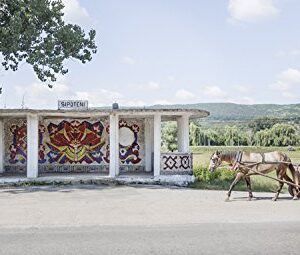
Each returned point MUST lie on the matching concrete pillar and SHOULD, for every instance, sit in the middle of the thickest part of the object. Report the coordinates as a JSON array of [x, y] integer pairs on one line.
[[183, 133], [2, 151], [32, 145], [157, 144], [113, 145], [148, 144]]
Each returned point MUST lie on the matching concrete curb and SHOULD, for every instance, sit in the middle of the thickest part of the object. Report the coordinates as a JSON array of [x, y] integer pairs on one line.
[[174, 180]]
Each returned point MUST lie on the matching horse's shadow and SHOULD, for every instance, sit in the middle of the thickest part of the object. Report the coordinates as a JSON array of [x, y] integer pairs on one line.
[[243, 198]]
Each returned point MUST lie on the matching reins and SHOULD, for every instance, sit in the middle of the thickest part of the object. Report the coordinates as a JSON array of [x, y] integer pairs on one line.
[[265, 175]]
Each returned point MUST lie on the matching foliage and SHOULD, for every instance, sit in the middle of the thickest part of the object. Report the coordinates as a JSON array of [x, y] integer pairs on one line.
[[222, 178], [169, 136], [203, 174], [262, 123], [279, 134], [33, 31]]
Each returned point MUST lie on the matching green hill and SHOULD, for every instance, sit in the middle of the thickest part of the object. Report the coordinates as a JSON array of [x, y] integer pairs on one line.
[[239, 112]]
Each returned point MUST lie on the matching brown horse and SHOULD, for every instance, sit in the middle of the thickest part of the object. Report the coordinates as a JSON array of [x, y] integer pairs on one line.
[[245, 163]]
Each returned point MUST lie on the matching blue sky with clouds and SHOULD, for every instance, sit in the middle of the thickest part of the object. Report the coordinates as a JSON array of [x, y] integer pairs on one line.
[[149, 52]]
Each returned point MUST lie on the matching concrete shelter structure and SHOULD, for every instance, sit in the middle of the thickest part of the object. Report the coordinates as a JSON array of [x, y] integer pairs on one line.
[[108, 142]]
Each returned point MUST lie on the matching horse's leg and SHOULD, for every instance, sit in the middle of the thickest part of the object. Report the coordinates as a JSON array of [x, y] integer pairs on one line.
[[280, 173], [238, 177], [287, 178], [248, 182], [295, 191]]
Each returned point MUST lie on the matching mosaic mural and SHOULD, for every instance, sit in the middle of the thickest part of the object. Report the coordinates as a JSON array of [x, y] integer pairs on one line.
[[18, 147], [71, 142], [129, 147], [75, 142], [42, 147]]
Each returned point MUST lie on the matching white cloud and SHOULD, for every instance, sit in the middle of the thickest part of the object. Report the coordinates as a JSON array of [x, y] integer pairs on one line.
[[288, 84], [252, 10], [290, 76], [287, 80], [184, 95], [39, 96], [128, 60], [100, 97], [214, 92], [74, 12]]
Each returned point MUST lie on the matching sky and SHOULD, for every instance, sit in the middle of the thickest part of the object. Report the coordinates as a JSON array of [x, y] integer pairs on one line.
[[174, 51]]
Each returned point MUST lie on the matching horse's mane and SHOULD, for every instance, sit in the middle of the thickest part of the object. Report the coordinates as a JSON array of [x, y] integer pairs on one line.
[[229, 154]]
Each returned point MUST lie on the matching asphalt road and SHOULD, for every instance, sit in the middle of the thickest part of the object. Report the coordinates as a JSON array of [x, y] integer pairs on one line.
[[145, 220]]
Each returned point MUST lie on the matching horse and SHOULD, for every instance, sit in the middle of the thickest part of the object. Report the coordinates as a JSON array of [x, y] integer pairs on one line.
[[247, 163]]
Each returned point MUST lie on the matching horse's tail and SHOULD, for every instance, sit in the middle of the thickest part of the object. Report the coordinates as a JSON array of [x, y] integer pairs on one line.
[[295, 174]]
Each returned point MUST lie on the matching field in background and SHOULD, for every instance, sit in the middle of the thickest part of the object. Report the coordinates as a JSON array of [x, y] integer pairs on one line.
[[222, 178], [201, 154]]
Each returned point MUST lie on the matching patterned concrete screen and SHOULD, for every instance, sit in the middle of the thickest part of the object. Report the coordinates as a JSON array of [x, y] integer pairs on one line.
[[176, 163]]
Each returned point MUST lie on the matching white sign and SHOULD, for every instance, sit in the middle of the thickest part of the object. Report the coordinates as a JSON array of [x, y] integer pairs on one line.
[[72, 104]]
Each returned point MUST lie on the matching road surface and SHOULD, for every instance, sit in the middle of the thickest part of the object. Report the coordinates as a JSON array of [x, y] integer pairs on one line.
[[145, 220]]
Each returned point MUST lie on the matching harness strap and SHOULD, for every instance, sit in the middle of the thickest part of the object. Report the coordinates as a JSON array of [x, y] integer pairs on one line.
[[262, 158], [238, 159]]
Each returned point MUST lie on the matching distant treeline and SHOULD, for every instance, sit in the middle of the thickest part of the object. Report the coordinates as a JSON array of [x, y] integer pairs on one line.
[[263, 131]]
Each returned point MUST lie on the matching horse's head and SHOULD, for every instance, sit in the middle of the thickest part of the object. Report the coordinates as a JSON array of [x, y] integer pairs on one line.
[[215, 161]]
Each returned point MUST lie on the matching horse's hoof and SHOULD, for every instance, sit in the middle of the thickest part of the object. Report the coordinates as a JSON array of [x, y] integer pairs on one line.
[[249, 198], [227, 199], [295, 198], [274, 199]]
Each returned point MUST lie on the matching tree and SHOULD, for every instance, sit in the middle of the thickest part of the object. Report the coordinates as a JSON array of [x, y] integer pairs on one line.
[[33, 31], [284, 135], [231, 135], [169, 136], [279, 135], [195, 134], [262, 123]]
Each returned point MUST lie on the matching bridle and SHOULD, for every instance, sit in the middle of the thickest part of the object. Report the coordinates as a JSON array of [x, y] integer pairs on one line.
[[216, 159]]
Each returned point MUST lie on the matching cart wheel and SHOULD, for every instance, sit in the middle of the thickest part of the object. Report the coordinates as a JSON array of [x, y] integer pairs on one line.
[[291, 191]]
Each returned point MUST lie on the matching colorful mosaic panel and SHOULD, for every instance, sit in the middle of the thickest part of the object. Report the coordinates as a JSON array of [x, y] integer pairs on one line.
[[129, 147], [69, 141], [18, 147], [75, 142]]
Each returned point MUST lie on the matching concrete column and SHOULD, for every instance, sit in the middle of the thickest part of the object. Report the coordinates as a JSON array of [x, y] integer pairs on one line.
[[148, 144], [113, 145], [183, 133], [2, 151], [157, 144], [32, 145]]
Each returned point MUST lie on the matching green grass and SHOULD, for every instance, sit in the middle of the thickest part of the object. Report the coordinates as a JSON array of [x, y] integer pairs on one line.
[[223, 177]]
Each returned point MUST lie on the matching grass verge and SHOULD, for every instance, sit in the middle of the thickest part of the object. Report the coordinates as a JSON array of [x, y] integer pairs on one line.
[[223, 177]]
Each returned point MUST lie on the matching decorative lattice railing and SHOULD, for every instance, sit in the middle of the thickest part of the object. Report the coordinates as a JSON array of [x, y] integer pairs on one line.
[[176, 163]]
